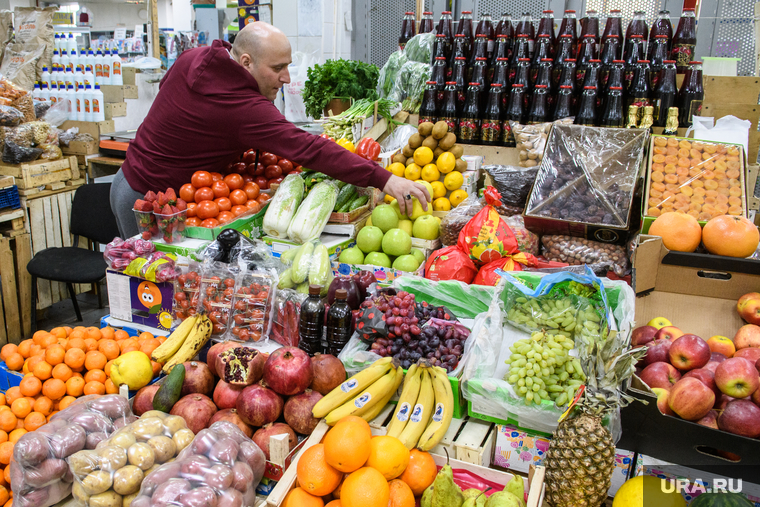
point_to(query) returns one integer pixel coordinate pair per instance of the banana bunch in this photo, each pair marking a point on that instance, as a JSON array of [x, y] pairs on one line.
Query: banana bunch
[[363, 395], [425, 408], [310, 266], [184, 343]]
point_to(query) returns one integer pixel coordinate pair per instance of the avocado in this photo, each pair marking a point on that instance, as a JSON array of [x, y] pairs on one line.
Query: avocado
[[169, 392]]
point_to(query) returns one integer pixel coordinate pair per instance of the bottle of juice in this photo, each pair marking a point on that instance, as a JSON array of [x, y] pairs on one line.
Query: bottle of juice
[[479, 72], [639, 93], [591, 26], [428, 108], [564, 106], [445, 27], [638, 25], [586, 53], [569, 26], [684, 41], [691, 94], [546, 27], [615, 77], [464, 27], [439, 51], [565, 49], [661, 26], [459, 49], [587, 108], [515, 112], [408, 29], [501, 50], [311, 322], [448, 111], [609, 53], [470, 121], [520, 50], [500, 72], [490, 131], [507, 28], [657, 62], [567, 75], [338, 323], [459, 77], [613, 109], [426, 23], [480, 50], [439, 76], [664, 94], [614, 27], [539, 107], [593, 74], [522, 74], [485, 27], [525, 27], [634, 52]]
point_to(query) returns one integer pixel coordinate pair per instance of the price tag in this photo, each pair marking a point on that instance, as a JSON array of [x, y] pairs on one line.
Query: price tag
[[120, 34]]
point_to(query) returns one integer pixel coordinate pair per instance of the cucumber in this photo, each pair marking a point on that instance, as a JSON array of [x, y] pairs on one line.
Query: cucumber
[[340, 184], [169, 392], [344, 196], [358, 202], [344, 208]]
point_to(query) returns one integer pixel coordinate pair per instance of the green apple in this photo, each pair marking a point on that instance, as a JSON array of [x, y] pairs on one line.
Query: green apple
[[407, 263], [417, 210], [418, 255], [369, 239], [426, 227], [397, 242], [384, 217], [426, 185], [406, 226], [377, 259], [351, 256]]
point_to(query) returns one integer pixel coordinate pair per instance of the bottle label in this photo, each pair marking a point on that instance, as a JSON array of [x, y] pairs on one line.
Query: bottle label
[[79, 106], [431, 119], [99, 70], [106, 70], [507, 136], [53, 99], [439, 412], [86, 105], [452, 123], [403, 412], [580, 76], [695, 109], [95, 106], [362, 400], [490, 131], [682, 54], [349, 385], [116, 68], [417, 413], [469, 129]]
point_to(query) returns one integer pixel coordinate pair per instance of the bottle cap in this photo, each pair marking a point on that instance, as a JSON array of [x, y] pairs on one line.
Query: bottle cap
[[523, 59], [440, 57], [695, 63], [613, 36], [668, 61], [481, 35], [637, 36], [431, 82], [549, 12], [314, 290], [618, 61], [548, 59], [501, 36], [445, 12], [460, 58], [616, 87], [340, 293], [518, 85], [589, 87], [450, 83], [498, 85], [466, 12], [543, 35], [480, 58], [427, 13], [569, 36], [570, 12], [595, 60], [441, 35], [409, 13], [502, 59], [642, 61], [459, 35], [475, 83], [540, 86], [570, 60], [566, 87], [660, 36]]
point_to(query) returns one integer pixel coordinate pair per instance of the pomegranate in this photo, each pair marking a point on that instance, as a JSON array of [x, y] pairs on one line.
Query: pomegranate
[[258, 405], [231, 415], [226, 395], [297, 411], [261, 437], [214, 351], [144, 399], [241, 366], [196, 410], [328, 372], [288, 371], [198, 379]]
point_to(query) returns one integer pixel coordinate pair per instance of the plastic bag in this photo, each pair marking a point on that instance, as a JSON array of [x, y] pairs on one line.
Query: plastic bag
[[51, 152], [41, 107], [398, 138], [527, 241], [409, 85], [450, 263], [217, 286], [39, 474], [531, 141], [513, 183], [283, 206], [455, 220], [579, 251], [285, 325], [489, 274], [253, 306], [420, 48], [116, 469], [57, 114], [313, 213], [10, 116], [25, 104], [295, 110], [23, 135], [40, 130], [221, 467], [486, 237], [15, 154], [389, 74], [69, 135]]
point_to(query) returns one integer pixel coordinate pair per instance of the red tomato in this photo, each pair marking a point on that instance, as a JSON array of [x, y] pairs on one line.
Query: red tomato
[[191, 208], [264, 198], [262, 182], [297, 171], [249, 157], [224, 203], [268, 159], [272, 171], [225, 216], [250, 169], [204, 194], [275, 181], [187, 192], [201, 179], [220, 189], [216, 177], [253, 205], [259, 170], [210, 223], [193, 222], [252, 190], [247, 178], [239, 210], [206, 209], [286, 165], [238, 168], [234, 181], [238, 197]]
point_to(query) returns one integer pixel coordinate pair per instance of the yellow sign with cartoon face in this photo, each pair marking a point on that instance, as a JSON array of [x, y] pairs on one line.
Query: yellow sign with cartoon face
[[149, 295]]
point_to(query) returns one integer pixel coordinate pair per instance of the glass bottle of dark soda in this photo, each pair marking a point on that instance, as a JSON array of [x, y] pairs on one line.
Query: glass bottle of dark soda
[[507, 28], [459, 76], [616, 76], [543, 49], [501, 76], [586, 53], [587, 108], [608, 55], [480, 50], [459, 49], [612, 116], [311, 322], [464, 27], [659, 55], [569, 26], [479, 72], [565, 49], [567, 75], [408, 29], [546, 27], [501, 50], [439, 76], [593, 74], [684, 41], [439, 50], [661, 26], [691, 94], [539, 105], [485, 27], [448, 111], [430, 101], [426, 22], [639, 93], [590, 26], [525, 27], [470, 120], [565, 103], [522, 74], [521, 49], [445, 27], [490, 130], [614, 27], [515, 113], [637, 26], [665, 93], [634, 53]]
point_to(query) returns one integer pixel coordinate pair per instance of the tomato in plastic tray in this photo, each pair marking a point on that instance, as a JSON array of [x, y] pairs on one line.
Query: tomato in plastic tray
[[216, 291], [186, 292], [450, 263], [252, 307], [486, 237]]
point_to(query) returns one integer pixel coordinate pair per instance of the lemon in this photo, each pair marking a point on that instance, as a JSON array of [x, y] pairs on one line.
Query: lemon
[[412, 171], [423, 155], [633, 492], [438, 189], [133, 369], [446, 162], [430, 173], [397, 168], [457, 196], [453, 180], [441, 204], [388, 198]]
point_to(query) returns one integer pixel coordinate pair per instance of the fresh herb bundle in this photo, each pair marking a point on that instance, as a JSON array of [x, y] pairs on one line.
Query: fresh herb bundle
[[338, 78]]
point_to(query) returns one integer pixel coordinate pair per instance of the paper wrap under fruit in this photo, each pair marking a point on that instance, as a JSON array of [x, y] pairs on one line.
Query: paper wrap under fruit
[[40, 476], [486, 237]]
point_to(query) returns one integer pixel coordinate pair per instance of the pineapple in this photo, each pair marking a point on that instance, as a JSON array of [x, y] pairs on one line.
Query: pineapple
[[581, 456]]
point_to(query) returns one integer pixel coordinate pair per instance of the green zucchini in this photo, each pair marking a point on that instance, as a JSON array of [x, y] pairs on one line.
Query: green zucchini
[[358, 202], [344, 196]]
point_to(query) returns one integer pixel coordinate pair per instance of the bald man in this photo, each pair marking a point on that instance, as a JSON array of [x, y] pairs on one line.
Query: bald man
[[216, 102]]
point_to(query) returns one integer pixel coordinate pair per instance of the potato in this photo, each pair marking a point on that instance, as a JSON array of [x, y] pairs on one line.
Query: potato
[[456, 150], [174, 423], [448, 141], [97, 482], [93, 439], [183, 438], [68, 440], [46, 472], [127, 480], [425, 128], [440, 129], [145, 429], [32, 449], [82, 463], [77, 491], [107, 499], [437, 153], [163, 447], [112, 458], [430, 142], [113, 406], [415, 141], [166, 494], [155, 413], [124, 439], [400, 158], [407, 151], [461, 165], [141, 455], [127, 500]]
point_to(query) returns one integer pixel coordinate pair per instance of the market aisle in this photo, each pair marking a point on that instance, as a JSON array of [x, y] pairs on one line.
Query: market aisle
[[62, 313]]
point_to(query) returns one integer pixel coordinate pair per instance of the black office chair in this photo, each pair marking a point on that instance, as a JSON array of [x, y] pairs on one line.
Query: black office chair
[[91, 217]]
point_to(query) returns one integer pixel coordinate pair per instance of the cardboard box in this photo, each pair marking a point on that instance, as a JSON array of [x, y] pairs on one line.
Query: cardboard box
[[493, 155], [115, 110], [94, 128], [130, 92], [137, 300], [335, 244], [112, 93], [129, 75]]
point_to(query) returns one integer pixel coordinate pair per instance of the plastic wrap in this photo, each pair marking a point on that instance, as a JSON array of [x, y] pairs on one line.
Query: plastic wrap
[[420, 48], [58, 114], [588, 175], [513, 183], [531, 141], [527, 242], [389, 74], [456, 219], [40, 130], [186, 288], [51, 152], [217, 286], [40, 108], [15, 154], [398, 138], [409, 85], [253, 305], [146, 224], [113, 473], [119, 253], [313, 213], [23, 135], [283, 206], [465, 301], [579, 251], [285, 325], [39, 474], [699, 178], [154, 266], [25, 104], [10, 116], [221, 467], [68, 135]]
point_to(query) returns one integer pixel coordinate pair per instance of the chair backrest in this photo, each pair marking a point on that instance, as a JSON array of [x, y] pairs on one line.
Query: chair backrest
[[91, 214]]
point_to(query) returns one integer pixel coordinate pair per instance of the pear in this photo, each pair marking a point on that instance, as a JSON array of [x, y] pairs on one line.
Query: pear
[[470, 502], [471, 493], [516, 486], [427, 497], [503, 499], [481, 501], [445, 492]]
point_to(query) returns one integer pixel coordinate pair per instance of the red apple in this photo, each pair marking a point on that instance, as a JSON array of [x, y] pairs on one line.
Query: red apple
[[741, 417], [657, 351], [662, 401], [691, 399], [642, 335], [747, 336], [689, 352], [748, 307], [707, 377], [737, 377], [718, 357], [710, 420], [750, 353], [756, 397], [711, 365], [668, 333], [660, 374], [722, 401]]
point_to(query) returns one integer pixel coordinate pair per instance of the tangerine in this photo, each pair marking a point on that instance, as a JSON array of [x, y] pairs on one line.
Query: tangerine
[[74, 358], [75, 386], [24, 348], [7, 350], [58, 332], [94, 333], [315, 476], [43, 405], [95, 360], [421, 471], [54, 354], [42, 370], [401, 494], [76, 343], [111, 388], [90, 344], [15, 361], [12, 394], [4, 436], [21, 407], [16, 434], [109, 348], [108, 333], [62, 372], [34, 421], [95, 376], [120, 334], [94, 387], [7, 421], [388, 456], [297, 497], [6, 452], [54, 388], [65, 402], [679, 231], [365, 487], [347, 444]]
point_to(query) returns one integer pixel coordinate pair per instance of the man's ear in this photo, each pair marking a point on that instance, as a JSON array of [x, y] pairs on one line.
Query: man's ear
[[245, 59]]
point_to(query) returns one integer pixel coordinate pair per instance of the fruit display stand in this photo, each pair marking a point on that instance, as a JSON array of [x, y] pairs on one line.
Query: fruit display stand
[[384, 276], [334, 243], [248, 225]]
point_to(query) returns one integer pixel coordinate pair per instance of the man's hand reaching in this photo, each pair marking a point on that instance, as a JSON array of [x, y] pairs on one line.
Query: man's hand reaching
[[403, 190]]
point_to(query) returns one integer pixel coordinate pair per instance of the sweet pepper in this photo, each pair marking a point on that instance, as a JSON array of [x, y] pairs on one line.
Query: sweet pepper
[[368, 148], [345, 143]]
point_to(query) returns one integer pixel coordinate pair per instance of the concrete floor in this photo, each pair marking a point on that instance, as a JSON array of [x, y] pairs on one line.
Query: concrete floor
[[62, 313]]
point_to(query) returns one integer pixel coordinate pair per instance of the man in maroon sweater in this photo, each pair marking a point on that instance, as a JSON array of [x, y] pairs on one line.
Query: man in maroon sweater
[[216, 102]]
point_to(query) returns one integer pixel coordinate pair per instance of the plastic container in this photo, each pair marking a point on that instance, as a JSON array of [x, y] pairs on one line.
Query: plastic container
[[171, 228], [146, 224], [106, 67], [96, 104], [99, 67], [80, 103], [88, 103], [71, 96], [116, 76], [45, 76]]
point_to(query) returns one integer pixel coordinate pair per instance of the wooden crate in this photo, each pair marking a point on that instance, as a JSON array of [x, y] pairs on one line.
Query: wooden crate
[[103, 166], [115, 110], [42, 172], [15, 322]]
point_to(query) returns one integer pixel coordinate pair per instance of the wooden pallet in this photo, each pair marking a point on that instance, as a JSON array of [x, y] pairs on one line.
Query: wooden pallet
[[42, 172], [52, 189], [15, 322], [7, 182]]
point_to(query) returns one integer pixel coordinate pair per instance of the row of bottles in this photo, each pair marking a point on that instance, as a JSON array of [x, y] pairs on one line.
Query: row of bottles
[[84, 102], [523, 40], [65, 42], [313, 322], [104, 64]]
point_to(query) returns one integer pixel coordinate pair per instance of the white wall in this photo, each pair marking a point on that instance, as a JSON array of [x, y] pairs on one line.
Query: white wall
[[315, 26], [107, 16]]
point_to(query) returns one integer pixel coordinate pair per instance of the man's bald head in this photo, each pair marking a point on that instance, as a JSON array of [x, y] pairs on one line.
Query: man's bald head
[[264, 51]]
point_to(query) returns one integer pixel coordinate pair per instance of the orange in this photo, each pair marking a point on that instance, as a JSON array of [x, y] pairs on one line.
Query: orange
[[7, 350], [35, 350], [401, 494], [6, 452], [43, 370], [365, 487], [107, 368], [48, 341], [75, 343], [34, 421], [129, 346], [2, 399], [94, 388], [111, 387], [300, 498], [90, 344], [109, 348], [58, 332], [315, 476], [347, 445], [54, 354], [62, 372], [149, 345], [145, 336], [39, 335], [55, 389], [156, 368], [7, 477], [732, 236], [94, 333], [95, 375], [679, 231], [75, 386], [95, 360], [12, 394], [65, 402], [21, 408], [74, 358], [15, 361], [4, 495], [388, 456], [108, 333], [120, 334], [43, 405], [24, 348], [421, 471], [30, 385], [334, 503], [16, 434], [7, 421], [4, 436]]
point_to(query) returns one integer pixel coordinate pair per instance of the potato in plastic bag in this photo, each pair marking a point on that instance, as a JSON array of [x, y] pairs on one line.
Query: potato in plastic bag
[[15, 154]]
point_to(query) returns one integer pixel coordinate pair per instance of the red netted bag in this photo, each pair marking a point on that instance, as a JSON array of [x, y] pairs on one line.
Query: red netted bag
[[486, 237], [488, 276], [450, 263]]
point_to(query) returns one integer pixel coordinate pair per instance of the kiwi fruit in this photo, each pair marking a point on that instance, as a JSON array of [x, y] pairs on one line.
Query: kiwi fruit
[[448, 141], [415, 141], [399, 158], [430, 142], [425, 128], [461, 165], [437, 152], [440, 129], [457, 150], [407, 151]]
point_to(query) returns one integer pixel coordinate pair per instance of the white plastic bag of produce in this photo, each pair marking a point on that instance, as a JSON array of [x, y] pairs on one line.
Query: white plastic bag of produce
[[295, 110], [313, 213], [283, 206]]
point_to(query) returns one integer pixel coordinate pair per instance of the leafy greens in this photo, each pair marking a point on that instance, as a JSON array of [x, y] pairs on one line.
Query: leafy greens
[[338, 78]]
